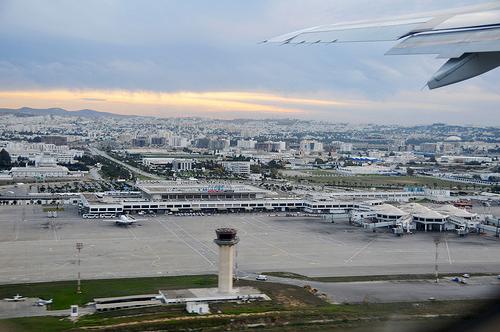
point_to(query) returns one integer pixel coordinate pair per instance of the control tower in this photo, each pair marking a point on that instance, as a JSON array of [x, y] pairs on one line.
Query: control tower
[[226, 239]]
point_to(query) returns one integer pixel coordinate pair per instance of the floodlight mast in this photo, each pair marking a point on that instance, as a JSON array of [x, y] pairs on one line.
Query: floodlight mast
[[79, 247]]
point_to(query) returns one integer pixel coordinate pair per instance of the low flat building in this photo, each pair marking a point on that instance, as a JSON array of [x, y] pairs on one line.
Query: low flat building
[[43, 172], [191, 190], [425, 218], [181, 165], [237, 167]]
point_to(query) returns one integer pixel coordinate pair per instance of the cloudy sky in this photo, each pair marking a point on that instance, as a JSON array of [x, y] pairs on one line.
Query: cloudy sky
[[203, 58]]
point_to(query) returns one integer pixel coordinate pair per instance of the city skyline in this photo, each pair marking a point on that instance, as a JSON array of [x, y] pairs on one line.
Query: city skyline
[[171, 60]]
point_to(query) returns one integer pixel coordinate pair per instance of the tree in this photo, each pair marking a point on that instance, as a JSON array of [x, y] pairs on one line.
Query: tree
[[5, 161]]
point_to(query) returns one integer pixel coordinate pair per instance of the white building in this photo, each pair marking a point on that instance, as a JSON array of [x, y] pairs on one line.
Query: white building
[[178, 142], [157, 161], [200, 308], [463, 159], [308, 146], [33, 151], [246, 144], [181, 165], [237, 167], [342, 147], [41, 172]]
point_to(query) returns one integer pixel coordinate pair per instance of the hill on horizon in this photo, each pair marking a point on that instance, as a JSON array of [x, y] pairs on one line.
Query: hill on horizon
[[28, 111]]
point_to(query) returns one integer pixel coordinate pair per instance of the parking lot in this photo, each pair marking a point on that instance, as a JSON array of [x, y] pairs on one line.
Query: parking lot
[[36, 248]]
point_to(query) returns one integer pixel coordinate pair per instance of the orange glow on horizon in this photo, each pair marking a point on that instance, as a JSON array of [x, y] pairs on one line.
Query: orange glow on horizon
[[201, 102]]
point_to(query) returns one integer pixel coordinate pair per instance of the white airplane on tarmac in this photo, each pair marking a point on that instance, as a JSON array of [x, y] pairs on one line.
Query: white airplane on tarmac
[[42, 302], [16, 298], [126, 220]]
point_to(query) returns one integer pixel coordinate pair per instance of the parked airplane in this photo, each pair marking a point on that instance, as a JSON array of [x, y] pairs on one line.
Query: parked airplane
[[469, 37], [42, 302], [16, 298], [126, 220]]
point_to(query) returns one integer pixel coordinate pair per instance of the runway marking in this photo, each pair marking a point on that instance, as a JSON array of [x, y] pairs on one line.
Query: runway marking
[[448, 250], [133, 234], [184, 241], [16, 230], [156, 262], [273, 245], [359, 251], [195, 239], [329, 239], [52, 225]]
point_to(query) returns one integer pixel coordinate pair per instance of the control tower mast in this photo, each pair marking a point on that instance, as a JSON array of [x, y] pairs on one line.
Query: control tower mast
[[226, 240]]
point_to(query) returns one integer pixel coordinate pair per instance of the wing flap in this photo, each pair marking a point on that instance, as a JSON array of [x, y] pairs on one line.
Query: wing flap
[[358, 32], [451, 44]]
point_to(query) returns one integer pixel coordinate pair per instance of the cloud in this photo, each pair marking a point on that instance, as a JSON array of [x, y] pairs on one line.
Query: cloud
[[207, 48], [404, 107]]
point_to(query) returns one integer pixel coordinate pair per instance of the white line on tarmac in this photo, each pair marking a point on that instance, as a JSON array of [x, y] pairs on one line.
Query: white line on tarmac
[[53, 226], [132, 232], [195, 239], [328, 239], [184, 241], [16, 230], [448, 250], [269, 243], [359, 252], [156, 262]]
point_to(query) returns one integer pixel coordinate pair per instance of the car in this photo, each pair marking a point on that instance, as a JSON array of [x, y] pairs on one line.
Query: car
[[498, 277], [261, 277], [466, 275], [455, 279]]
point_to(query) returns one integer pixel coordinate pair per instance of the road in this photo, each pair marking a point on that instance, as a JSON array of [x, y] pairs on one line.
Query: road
[[400, 291], [129, 167], [94, 173]]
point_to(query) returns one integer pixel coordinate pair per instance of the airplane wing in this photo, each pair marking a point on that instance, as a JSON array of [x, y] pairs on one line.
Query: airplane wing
[[469, 37]]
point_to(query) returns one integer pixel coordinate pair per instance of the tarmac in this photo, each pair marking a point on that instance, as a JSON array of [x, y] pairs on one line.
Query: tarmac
[[35, 248]]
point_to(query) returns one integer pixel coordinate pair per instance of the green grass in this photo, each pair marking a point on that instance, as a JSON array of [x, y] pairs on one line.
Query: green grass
[[64, 292], [36, 324], [292, 308], [286, 319], [380, 181]]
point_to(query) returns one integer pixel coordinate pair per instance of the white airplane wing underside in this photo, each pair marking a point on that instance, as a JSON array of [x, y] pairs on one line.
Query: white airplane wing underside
[[469, 37], [452, 44]]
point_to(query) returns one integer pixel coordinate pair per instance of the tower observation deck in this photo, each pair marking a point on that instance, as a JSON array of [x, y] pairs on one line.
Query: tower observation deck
[[226, 240]]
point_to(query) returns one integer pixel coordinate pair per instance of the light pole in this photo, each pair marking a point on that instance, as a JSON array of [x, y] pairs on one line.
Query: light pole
[[79, 247]]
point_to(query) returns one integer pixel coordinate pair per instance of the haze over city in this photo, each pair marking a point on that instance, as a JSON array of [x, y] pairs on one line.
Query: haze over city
[[203, 59]]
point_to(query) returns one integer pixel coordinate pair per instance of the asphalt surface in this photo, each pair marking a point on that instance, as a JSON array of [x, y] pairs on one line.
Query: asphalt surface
[[28, 308], [487, 287], [36, 248]]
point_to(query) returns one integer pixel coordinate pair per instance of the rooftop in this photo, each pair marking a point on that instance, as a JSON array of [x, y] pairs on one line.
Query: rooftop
[[159, 187], [422, 211], [389, 209]]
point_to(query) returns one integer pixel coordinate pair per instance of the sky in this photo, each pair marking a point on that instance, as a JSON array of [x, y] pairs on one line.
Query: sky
[[181, 58]]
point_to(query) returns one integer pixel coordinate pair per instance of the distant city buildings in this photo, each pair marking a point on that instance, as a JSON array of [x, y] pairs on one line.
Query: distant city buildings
[[31, 151]]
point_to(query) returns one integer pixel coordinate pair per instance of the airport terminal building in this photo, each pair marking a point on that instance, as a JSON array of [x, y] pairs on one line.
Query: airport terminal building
[[188, 196]]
